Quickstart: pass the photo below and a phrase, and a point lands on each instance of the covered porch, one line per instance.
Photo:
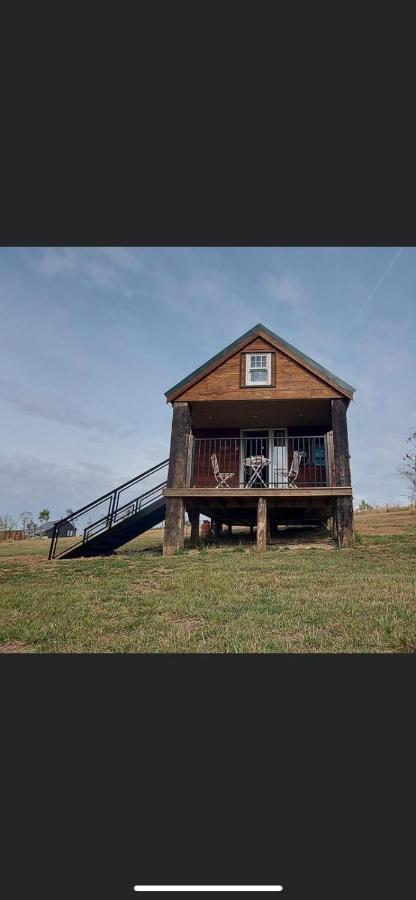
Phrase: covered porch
(261, 444)
(258, 463)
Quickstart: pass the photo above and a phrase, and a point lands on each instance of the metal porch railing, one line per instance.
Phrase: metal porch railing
(253, 462)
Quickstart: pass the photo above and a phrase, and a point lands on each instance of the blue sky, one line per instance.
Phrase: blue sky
(91, 338)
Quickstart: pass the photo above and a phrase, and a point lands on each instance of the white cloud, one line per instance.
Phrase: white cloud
(103, 266)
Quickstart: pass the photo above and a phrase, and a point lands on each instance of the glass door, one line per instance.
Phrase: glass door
(279, 467)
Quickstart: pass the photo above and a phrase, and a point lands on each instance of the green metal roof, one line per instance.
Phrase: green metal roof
(320, 370)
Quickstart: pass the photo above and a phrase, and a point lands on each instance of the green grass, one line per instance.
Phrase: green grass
(299, 596)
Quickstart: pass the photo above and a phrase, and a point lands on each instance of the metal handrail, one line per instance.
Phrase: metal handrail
(112, 493)
(111, 517)
(289, 437)
(136, 502)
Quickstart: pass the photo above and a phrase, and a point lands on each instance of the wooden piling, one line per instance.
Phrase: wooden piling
(194, 520)
(343, 514)
(174, 526)
(261, 523)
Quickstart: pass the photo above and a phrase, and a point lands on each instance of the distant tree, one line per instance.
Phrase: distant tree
(44, 515)
(69, 512)
(364, 505)
(28, 524)
(408, 467)
(8, 522)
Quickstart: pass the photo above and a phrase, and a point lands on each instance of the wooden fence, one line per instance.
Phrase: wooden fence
(13, 535)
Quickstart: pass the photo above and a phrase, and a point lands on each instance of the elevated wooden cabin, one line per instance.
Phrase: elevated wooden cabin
(259, 437)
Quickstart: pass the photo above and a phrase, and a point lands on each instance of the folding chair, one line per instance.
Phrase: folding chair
(220, 477)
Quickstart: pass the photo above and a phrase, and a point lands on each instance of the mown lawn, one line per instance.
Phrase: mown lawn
(302, 595)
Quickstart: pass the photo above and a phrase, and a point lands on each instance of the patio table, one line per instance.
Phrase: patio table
(256, 464)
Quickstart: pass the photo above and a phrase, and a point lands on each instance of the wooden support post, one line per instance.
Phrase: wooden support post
(179, 446)
(177, 477)
(174, 526)
(330, 458)
(230, 530)
(344, 522)
(261, 523)
(216, 528)
(343, 514)
(189, 459)
(340, 438)
(194, 520)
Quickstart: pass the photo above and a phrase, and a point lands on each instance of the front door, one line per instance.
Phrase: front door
(278, 440)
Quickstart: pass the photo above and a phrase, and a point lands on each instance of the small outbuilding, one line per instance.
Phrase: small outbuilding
(46, 530)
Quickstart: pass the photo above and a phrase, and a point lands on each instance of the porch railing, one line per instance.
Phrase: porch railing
(256, 462)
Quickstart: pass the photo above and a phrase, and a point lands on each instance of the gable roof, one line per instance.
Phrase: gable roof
(260, 330)
(47, 526)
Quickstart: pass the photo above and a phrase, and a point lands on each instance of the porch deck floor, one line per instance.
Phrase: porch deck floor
(243, 492)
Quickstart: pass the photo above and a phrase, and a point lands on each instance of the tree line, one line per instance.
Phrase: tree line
(27, 522)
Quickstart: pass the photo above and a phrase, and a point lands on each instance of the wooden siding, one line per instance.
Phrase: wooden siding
(266, 338)
(293, 381)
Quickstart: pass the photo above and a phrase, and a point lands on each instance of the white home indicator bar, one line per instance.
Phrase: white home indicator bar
(207, 887)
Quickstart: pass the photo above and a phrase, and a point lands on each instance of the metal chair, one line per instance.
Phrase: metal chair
(294, 468)
(220, 477)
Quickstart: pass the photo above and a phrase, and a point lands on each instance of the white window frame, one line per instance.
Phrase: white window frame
(258, 384)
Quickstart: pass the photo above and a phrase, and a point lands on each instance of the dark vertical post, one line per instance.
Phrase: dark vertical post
(341, 449)
(343, 517)
(194, 519)
(177, 477)
(179, 444)
(174, 526)
(216, 528)
(330, 465)
(230, 529)
(261, 523)
(190, 452)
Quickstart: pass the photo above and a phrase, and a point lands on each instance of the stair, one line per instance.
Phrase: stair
(113, 519)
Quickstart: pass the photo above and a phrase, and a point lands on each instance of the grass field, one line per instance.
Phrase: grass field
(302, 595)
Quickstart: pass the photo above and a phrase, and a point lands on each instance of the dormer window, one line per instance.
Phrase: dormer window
(258, 368)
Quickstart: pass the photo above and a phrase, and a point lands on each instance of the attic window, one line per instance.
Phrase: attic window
(258, 368)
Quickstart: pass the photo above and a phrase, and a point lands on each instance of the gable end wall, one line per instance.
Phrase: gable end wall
(293, 381)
